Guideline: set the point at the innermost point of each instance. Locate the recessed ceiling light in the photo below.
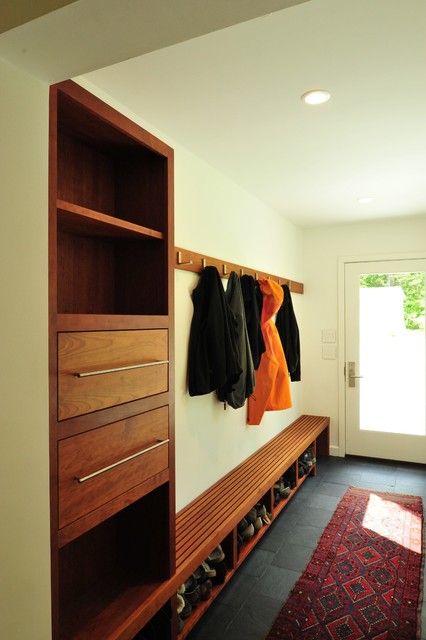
(316, 96)
(365, 200)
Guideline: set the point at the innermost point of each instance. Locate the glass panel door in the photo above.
(385, 359)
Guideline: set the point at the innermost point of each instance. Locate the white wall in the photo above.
(215, 216)
(24, 468)
(321, 249)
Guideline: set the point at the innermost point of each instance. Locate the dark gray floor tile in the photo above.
(295, 506)
(321, 501)
(410, 489)
(314, 517)
(237, 590)
(214, 622)
(286, 520)
(409, 471)
(374, 486)
(256, 563)
(342, 477)
(306, 536)
(255, 619)
(273, 540)
(332, 489)
(292, 556)
(381, 477)
(276, 582)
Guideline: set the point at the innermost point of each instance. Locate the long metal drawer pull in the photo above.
(160, 443)
(86, 374)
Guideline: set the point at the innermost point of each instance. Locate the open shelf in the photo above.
(83, 221)
(109, 573)
(111, 275)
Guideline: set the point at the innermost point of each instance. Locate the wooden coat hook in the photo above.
(193, 261)
(179, 259)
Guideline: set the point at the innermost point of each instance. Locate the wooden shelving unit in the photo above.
(111, 368)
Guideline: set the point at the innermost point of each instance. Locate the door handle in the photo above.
(351, 374)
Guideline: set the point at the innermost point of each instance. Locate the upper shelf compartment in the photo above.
(80, 220)
(104, 169)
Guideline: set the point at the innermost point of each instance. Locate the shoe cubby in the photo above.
(306, 463)
(113, 569)
(253, 526)
(222, 561)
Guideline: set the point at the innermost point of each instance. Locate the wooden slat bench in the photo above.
(212, 518)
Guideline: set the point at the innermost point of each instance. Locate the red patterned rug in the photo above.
(364, 579)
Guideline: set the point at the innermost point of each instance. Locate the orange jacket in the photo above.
(272, 390)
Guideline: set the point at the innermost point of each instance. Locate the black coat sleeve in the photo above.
(288, 330)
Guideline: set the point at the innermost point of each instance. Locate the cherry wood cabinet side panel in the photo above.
(171, 336)
(52, 307)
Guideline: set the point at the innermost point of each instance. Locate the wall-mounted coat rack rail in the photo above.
(192, 261)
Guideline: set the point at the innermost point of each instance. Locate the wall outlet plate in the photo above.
(329, 352)
(328, 335)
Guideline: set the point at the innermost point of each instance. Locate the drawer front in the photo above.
(89, 475)
(100, 369)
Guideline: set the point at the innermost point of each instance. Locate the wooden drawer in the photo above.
(100, 369)
(89, 475)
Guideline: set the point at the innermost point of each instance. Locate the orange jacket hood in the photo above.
(273, 296)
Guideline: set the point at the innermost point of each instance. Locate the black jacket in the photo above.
(213, 352)
(289, 333)
(243, 388)
(253, 301)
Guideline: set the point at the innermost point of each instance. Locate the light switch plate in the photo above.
(328, 335)
(329, 352)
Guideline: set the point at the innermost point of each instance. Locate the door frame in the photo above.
(341, 293)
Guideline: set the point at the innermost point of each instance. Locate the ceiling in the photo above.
(17, 12)
(233, 98)
(90, 34)
(226, 84)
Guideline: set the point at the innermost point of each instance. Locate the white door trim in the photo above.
(341, 262)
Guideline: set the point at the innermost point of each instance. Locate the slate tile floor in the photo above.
(247, 607)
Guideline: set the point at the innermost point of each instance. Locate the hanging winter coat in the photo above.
(272, 390)
(286, 324)
(213, 352)
(245, 385)
(249, 290)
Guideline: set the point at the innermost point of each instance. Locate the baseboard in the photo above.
(334, 450)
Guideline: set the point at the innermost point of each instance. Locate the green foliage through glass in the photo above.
(413, 286)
